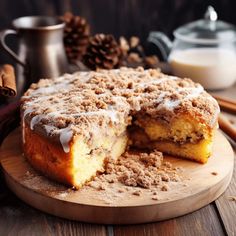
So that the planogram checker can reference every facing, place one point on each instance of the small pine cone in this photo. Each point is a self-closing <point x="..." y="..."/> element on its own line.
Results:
<point x="76" y="36"/>
<point x="132" y="52"/>
<point x="131" y="46"/>
<point x="151" y="61"/>
<point x="124" y="46"/>
<point x="102" y="52"/>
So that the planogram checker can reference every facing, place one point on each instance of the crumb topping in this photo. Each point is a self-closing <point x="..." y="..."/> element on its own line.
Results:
<point x="143" y="170"/>
<point x="75" y="103"/>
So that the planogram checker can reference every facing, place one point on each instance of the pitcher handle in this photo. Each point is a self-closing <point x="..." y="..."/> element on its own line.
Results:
<point x="3" y="35"/>
<point x="162" y="42"/>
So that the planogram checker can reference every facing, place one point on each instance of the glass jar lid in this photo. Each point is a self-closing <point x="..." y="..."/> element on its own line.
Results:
<point x="207" y="31"/>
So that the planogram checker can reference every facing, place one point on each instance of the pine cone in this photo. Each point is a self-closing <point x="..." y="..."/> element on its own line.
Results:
<point x="131" y="46"/>
<point x="133" y="54"/>
<point x="151" y="61"/>
<point x="102" y="52"/>
<point x="76" y="36"/>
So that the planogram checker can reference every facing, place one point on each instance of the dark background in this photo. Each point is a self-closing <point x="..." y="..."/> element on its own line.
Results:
<point x="119" y="17"/>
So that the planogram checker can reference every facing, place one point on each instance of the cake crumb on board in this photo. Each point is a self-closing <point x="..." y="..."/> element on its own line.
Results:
<point x="232" y="198"/>
<point x="137" y="193"/>
<point x="214" y="173"/>
<point x="155" y="198"/>
<point x="136" y="172"/>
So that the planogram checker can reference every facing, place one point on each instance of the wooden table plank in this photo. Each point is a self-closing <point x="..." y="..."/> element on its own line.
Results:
<point x="17" y="218"/>
<point x="227" y="207"/>
<point x="202" y="222"/>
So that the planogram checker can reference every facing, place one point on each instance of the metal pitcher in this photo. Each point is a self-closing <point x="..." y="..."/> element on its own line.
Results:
<point x="41" y="53"/>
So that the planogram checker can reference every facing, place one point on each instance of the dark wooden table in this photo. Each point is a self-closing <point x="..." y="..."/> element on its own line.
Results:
<point x="218" y="218"/>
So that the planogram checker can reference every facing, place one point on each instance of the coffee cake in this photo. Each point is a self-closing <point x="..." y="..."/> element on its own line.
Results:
<point x="72" y="124"/>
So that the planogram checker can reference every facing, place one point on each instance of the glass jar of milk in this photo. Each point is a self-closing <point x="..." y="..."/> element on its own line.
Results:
<point x="204" y="50"/>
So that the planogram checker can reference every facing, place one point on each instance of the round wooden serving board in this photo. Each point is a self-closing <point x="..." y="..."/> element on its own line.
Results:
<point x="201" y="185"/>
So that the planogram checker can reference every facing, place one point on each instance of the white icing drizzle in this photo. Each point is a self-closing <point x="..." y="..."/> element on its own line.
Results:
<point x="161" y="97"/>
<point x="169" y="104"/>
<point x="172" y="104"/>
<point x="26" y="112"/>
<point x="157" y="81"/>
<point x="84" y="76"/>
<point x="51" y="89"/>
<point x="65" y="83"/>
<point x="35" y="120"/>
<point x="66" y="135"/>
<point x="111" y="113"/>
<point x="217" y="111"/>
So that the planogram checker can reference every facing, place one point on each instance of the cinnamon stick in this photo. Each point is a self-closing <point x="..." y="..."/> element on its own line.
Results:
<point x="226" y="104"/>
<point x="227" y="127"/>
<point x="228" y="100"/>
<point x="7" y="81"/>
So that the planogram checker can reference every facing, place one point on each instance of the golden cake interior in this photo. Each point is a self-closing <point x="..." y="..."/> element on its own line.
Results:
<point x="184" y="137"/>
<point x="71" y="125"/>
